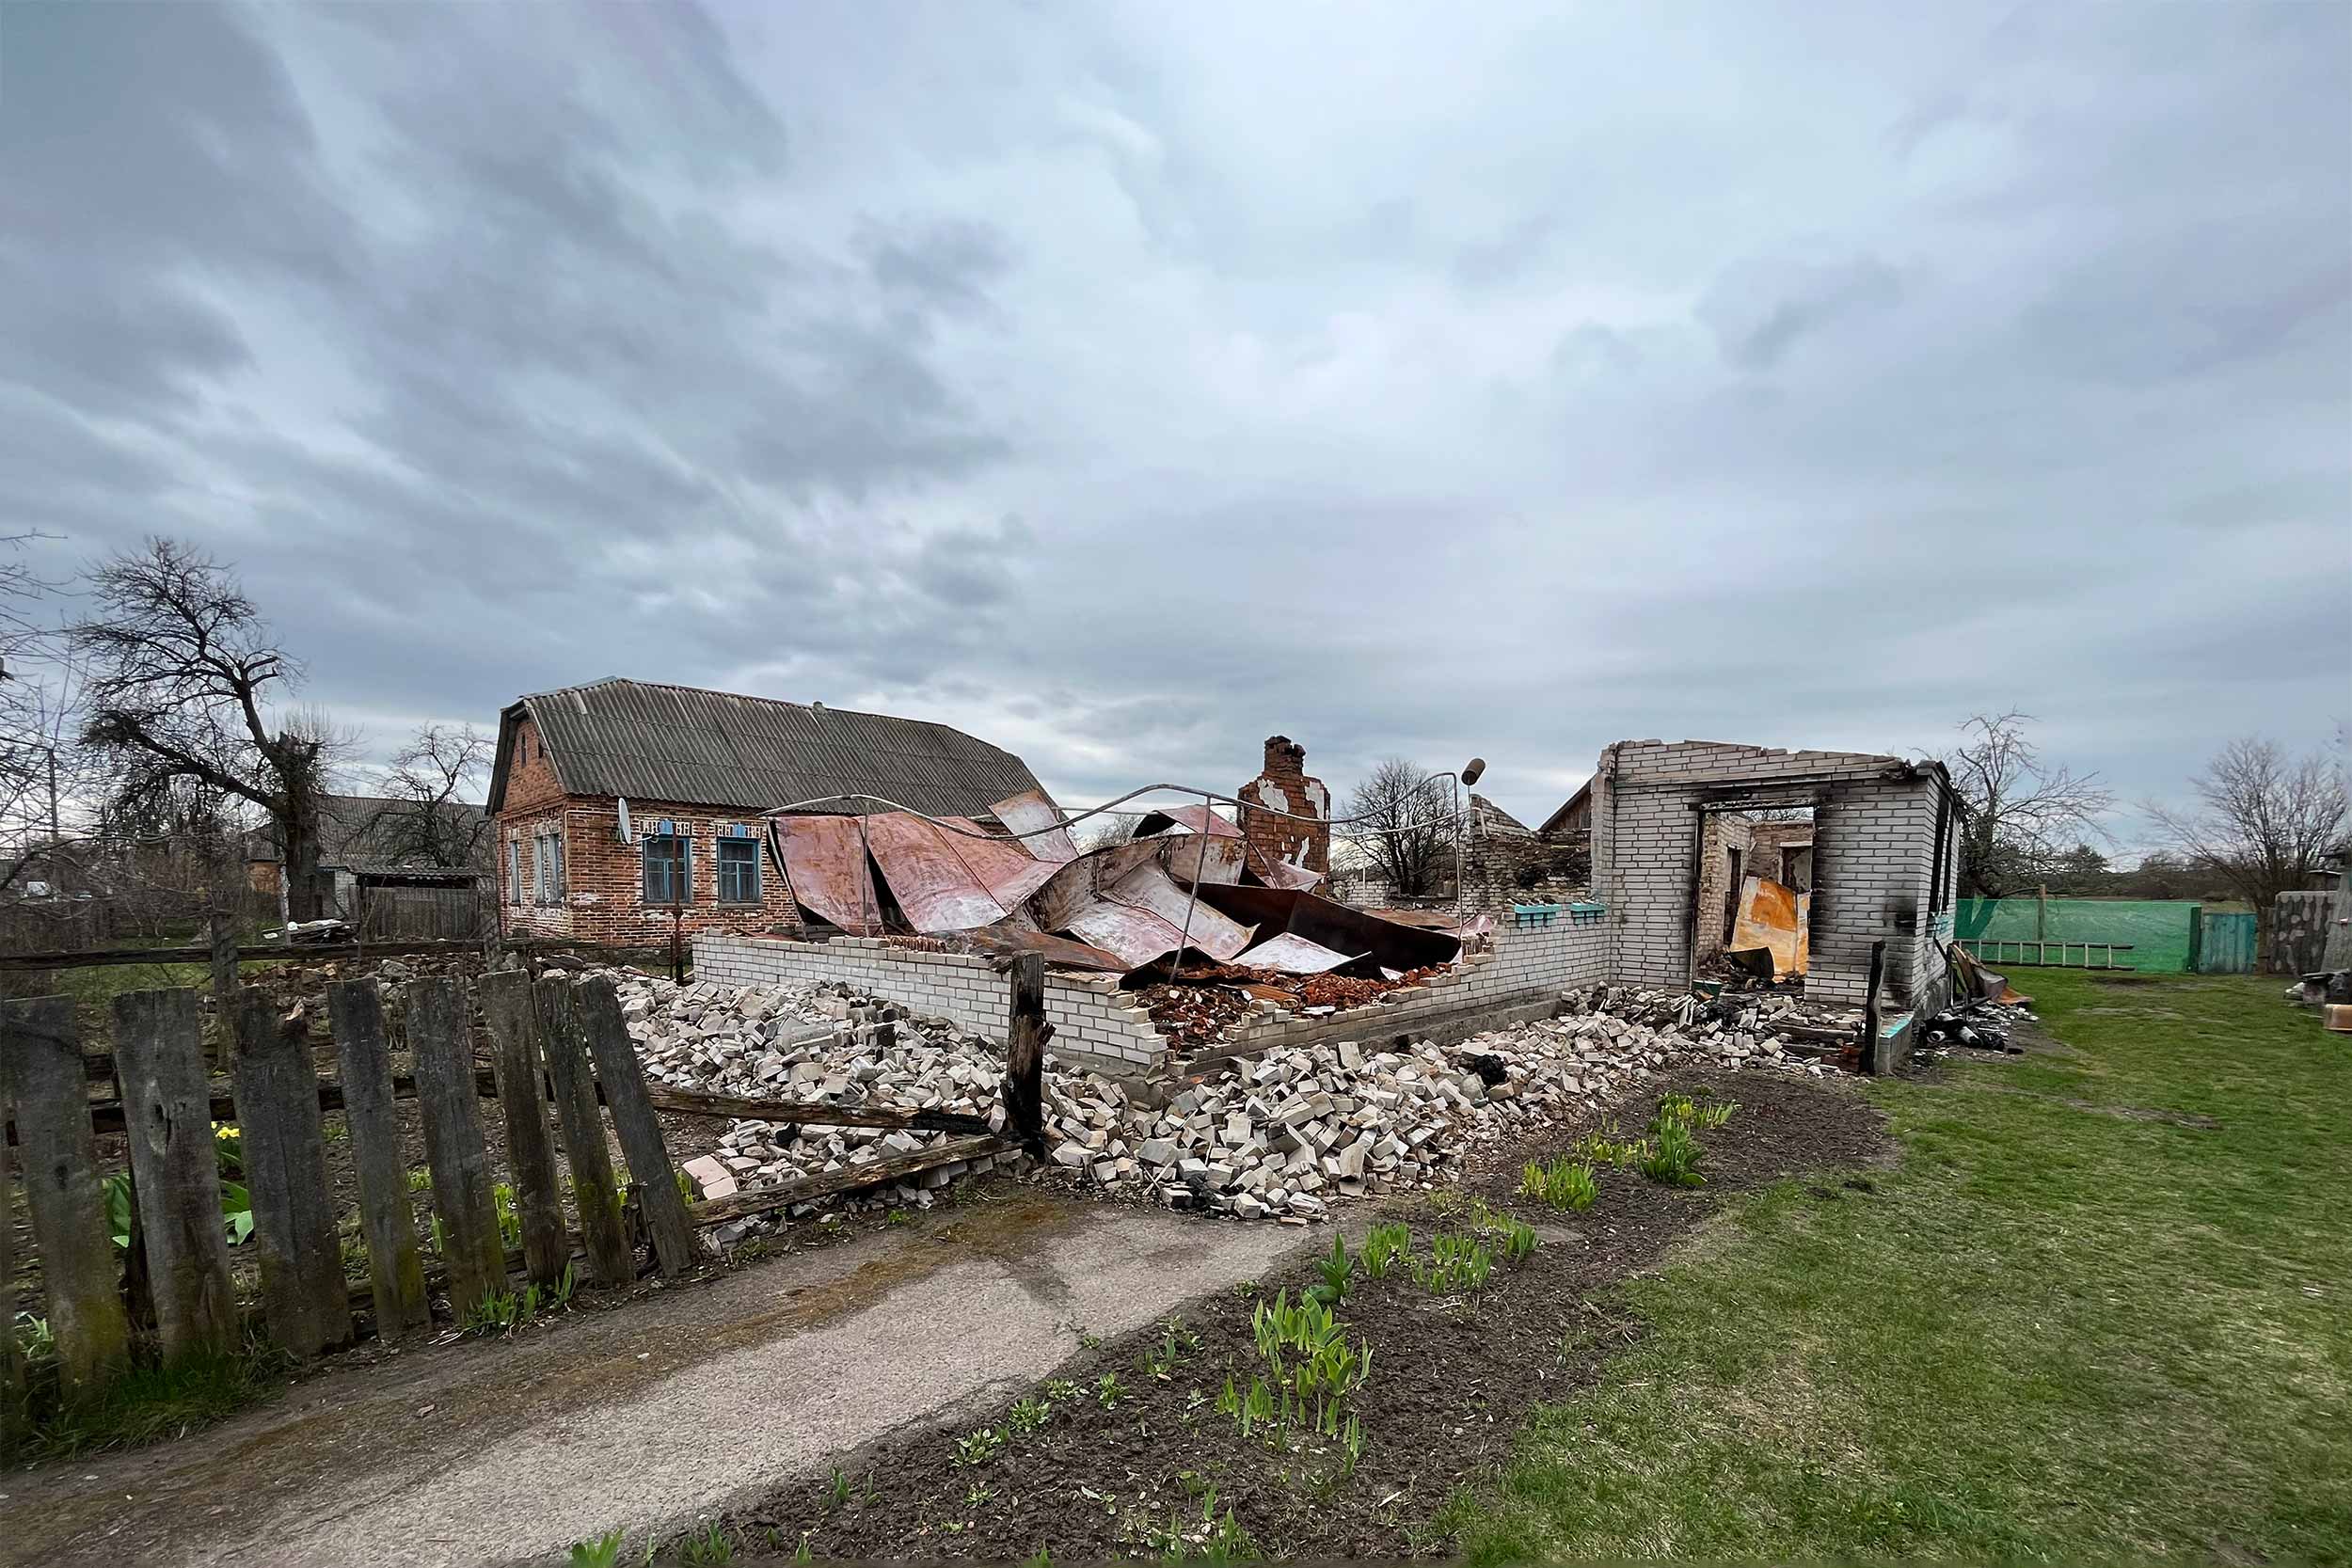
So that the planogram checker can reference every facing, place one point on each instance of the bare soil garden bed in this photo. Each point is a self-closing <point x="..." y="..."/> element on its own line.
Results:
<point x="1150" y="1466"/>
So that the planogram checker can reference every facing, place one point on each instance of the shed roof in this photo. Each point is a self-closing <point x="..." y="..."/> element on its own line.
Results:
<point x="695" y="747"/>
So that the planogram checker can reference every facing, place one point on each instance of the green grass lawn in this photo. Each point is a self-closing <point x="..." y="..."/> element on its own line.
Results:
<point x="2051" y="1332"/>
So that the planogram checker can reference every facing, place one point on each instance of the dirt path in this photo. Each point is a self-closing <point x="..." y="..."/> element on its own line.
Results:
<point x="654" y="1414"/>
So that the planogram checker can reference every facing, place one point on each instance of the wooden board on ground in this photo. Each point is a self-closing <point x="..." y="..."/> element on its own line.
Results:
<point x="303" y="1298"/>
<point x="849" y="1179"/>
<point x="175" y="1170"/>
<point x="41" y="1063"/>
<point x="354" y="1011"/>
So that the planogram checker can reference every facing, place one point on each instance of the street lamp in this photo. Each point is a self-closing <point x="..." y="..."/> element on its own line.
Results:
<point x="1468" y="776"/>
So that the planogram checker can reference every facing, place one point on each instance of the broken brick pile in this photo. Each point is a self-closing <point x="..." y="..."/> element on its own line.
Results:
<point x="1280" y="1137"/>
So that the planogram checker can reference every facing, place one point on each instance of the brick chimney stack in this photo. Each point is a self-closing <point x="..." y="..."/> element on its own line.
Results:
<point x="1286" y="786"/>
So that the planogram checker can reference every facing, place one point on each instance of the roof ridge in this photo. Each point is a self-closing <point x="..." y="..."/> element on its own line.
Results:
<point x="818" y="707"/>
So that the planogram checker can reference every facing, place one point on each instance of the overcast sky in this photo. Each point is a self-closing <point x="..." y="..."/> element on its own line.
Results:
<point x="1127" y="384"/>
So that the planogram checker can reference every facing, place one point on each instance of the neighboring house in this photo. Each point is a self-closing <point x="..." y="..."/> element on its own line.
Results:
<point x="1574" y="816"/>
<point x="620" y="806"/>
<point x="370" y="843"/>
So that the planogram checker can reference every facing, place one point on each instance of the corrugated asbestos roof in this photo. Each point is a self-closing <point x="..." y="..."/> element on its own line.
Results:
<point x="753" y="754"/>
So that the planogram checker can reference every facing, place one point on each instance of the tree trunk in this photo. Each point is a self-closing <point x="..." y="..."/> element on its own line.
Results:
<point x="298" y="822"/>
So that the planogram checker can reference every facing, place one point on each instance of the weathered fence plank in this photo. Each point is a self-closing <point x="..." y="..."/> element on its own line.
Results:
<point x="810" y="1113"/>
<point x="596" y="1009"/>
<point x="303" y="1299"/>
<point x="354" y="1011"/>
<point x="441" y="1038"/>
<point x="175" y="1168"/>
<point x="611" y="1259"/>
<point x="40" y="1062"/>
<point x="506" y="1004"/>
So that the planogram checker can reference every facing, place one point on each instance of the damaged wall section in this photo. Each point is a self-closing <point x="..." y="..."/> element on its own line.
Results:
<point x="1883" y="859"/>
<point x="1096" y="1025"/>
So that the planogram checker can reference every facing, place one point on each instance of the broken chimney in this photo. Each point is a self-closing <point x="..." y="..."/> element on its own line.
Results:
<point x="1285" y="787"/>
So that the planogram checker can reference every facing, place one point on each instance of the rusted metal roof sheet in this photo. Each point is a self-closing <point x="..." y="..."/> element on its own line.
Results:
<point x="682" y="744"/>
<point x="1028" y="812"/>
<point x="999" y="864"/>
<point x="1282" y="874"/>
<point x="932" y="884"/>
<point x="1193" y="819"/>
<point x="1295" y="955"/>
<point x="825" y="864"/>
<point x="1008" y="939"/>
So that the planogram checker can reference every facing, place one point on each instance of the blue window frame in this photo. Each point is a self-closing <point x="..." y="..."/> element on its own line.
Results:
<point x="669" y="869"/>
<point x="739" y="871"/>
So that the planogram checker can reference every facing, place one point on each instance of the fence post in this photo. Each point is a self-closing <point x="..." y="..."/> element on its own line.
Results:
<point x="175" y="1170"/>
<point x="41" y="1056"/>
<point x="303" y="1299"/>
<point x="1026" y="1034"/>
<point x="221" y="937"/>
<point x="598" y="1007"/>
<point x="505" y="999"/>
<point x="354" y="1011"/>
<point x="609" y="1259"/>
<point x="441" y="1038"/>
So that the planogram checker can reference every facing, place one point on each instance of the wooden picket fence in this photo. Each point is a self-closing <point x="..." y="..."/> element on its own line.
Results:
<point x="553" y="1041"/>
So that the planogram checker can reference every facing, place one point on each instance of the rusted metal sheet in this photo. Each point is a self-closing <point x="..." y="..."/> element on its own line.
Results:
<point x="1028" y="812"/>
<point x="999" y="864"/>
<point x="1334" y="925"/>
<point x="826" y="865"/>
<point x="1193" y="922"/>
<point x="1192" y="819"/>
<point x="1076" y="887"/>
<point x="1282" y="874"/>
<point x="930" y="881"/>
<point x="1775" y="918"/>
<point x="1295" y="955"/>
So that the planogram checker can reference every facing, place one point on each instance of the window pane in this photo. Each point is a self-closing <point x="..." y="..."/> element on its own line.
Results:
<point x="665" y="870"/>
<point x="739" y="871"/>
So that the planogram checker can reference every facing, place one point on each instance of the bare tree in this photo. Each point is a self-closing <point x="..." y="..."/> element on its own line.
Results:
<point x="2264" y="823"/>
<point x="427" y="818"/>
<point x="182" y="674"/>
<point x="2023" y="814"/>
<point x="1404" y="825"/>
<point x="1106" y="832"/>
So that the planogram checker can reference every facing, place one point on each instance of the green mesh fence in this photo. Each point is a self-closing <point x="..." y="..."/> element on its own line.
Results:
<point x="2158" y="929"/>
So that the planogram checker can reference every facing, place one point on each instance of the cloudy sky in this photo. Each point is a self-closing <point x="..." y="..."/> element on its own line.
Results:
<point x="1125" y="384"/>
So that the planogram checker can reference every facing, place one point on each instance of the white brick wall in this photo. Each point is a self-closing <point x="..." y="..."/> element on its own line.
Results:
<point x="1093" y="1022"/>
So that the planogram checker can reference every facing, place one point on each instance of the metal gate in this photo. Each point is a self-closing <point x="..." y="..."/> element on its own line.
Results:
<point x="2225" y="944"/>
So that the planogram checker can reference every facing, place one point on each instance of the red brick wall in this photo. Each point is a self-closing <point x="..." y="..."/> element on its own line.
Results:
<point x="602" y="899"/>
<point x="1285" y="787"/>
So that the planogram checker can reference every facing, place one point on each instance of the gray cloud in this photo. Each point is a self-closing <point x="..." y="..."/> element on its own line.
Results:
<point x="1504" y="383"/>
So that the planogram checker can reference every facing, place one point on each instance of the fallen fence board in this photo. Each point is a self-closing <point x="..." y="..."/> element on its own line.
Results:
<point x="175" y="1170"/>
<point x="514" y="1023"/>
<point x="597" y="1014"/>
<point x="354" y="1011"/>
<point x="810" y="1113"/>
<point x="611" y="1259"/>
<point x="849" y="1179"/>
<point x="440" y="1038"/>
<point x="41" y="1070"/>
<point x="285" y="1167"/>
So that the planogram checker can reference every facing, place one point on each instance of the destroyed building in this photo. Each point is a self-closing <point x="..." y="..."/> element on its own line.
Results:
<point x="1879" y="856"/>
<point x="1277" y="841"/>
<point x="621" y="806"/>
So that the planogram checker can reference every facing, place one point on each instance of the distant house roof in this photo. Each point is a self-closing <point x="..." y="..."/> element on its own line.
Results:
<point x="680" y="743"/>
<point x="1559" y="820"/>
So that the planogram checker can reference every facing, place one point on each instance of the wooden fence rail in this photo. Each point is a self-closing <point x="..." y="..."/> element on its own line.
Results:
<point x="554" y="1038"/>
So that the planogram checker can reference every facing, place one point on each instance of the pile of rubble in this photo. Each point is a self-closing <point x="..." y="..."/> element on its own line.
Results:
<point x="1279" y="1136"/>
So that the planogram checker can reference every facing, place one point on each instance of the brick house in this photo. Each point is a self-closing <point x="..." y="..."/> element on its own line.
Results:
<point x="621" y="806"/>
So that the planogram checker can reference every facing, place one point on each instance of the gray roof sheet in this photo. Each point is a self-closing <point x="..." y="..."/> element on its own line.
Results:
<point x="754" y="754"/>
